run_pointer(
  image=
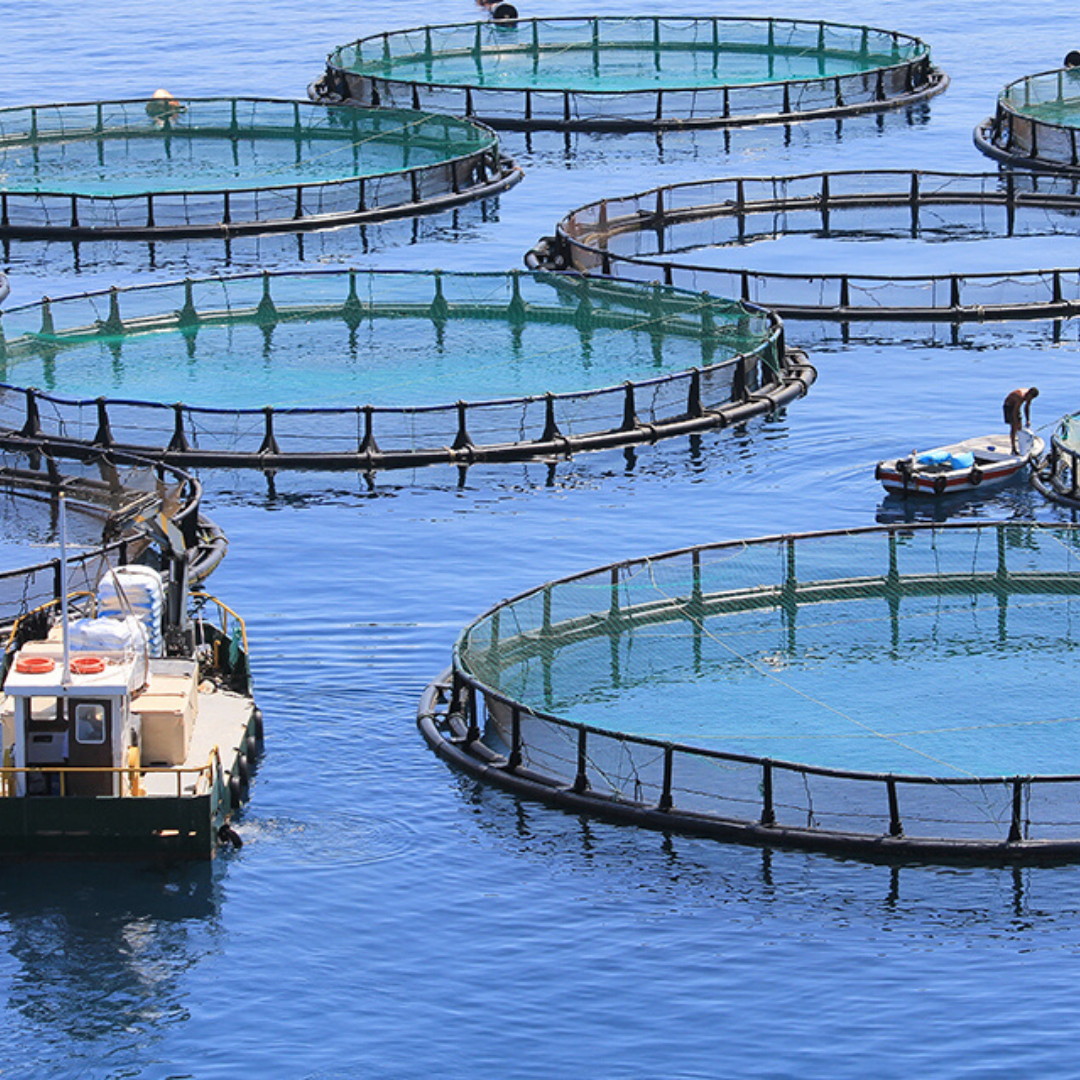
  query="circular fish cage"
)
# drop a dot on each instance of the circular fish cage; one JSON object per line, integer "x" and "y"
{"x": 123, "y": 503}
{"x": 191, "y": 167}
{"x": 741, "y": 236}
{"x": 889, "y": 693}
{"x": 634, "y": 73}
{"x": 385, "y": 369}
{"x": 1058, "y": 474}
{"x": 1036, "y": 122}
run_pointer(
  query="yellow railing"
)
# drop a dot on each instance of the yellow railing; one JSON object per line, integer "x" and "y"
{"x": 225, "y": 613}
{"x": 8, "y": 773}
{"x": 77, "y": 595}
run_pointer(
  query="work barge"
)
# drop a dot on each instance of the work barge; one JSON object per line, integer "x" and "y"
{"x": 129, "y": 728}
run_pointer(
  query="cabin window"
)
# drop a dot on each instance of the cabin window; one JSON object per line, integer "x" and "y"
{"x": 90, "y": 723}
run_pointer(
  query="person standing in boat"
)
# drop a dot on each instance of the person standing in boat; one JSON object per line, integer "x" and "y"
{"x": 1016, "y": 402}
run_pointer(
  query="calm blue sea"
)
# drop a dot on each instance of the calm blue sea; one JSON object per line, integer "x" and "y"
{"x": 385, "y": 917}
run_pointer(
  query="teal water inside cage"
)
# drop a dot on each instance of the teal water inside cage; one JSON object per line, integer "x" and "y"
{"x": 115, "y": 149}
{"x": 626, "y": 55}
{"x": 1052, "y": 97}
{"x": 394, "y": 340}
{"x": 617, "y": 69}
{"x": 875, "y": 254}
{"x": 959, "y": 668}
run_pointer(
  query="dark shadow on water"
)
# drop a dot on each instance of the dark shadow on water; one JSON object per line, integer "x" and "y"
{"x": 101, "y": 950}
{"x": 1015, "y": 500}
{"x": 622, "y": 861}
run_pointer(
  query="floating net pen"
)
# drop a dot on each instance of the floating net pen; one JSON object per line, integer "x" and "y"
{"x": 901, "y": 692}
{"x": 1036, "y": 122}
{"x": 729, "y": 235}
{"x": 222, "y": 166}
{"x": 1058, "y": 474}
{"x": 385, "y": 369}
{"x": 634, "y": 73}
{"x": 123, "y": 497}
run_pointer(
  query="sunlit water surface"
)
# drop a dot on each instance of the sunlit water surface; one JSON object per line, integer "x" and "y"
{"x": 386, "y": 918}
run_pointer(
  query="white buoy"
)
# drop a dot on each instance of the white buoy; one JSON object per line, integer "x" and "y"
{"x": 5, "y": 288}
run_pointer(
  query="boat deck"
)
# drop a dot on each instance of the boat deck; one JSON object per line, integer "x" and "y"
{"x": 222, "y": 721}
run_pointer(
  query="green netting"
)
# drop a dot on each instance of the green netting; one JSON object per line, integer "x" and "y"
{"x": 386, "y": 365}
{"x": 944, "y": 652}
{"x": 1053, "y": 97}
{"x": 133, "y": 168}
{"x": 636, "y": 71}
{"x": 1036, "y": 122}
{"x": 118, "y": 148}
{"x": 869, "y": 244}
{"x": 347, "y": 338}
{"x": 625, "y": 54}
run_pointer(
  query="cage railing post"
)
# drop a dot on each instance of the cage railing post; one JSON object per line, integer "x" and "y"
{"x": 514, "y": 761}
{"x": 694, "y": 408}
{"x": 368, "y": 445}
{"x": 472, "y": 734}
{"x": 103, "y": 436}
{"x": 462, "y": 441}
{"x": 178, "y": 442}
{"x": 1016, "y": 828}
{"x": 896, "y": 826}
{"x": 31, "y": 429}
{"x": 581, "y": 780}
{"x": 768, "y": 810}
{"x": 269, "y": 444}
{"x": 666, "y": 801}
{"x": 629, "y": 420}
{"x": 551, "y": 427}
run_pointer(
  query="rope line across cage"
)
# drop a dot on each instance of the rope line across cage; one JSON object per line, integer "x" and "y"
{"x": 747, "y": 690}
{"x": 386, "y": 369}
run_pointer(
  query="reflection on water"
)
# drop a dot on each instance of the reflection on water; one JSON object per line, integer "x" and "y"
{"x": 97, "y": 952}
{"x": 626, "y": 862}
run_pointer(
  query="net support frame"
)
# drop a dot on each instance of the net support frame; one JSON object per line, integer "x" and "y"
{"x": 897, "y": 84}
{"x": 238, "y": 210}
{"x": 458, "y": 707}
{"x": 584, "y": 238}
{"x": 752, "y": 383}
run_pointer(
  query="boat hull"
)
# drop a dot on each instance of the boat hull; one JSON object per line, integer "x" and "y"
{"x": 994, "y": 464}
{"x": 153, "y": 828}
